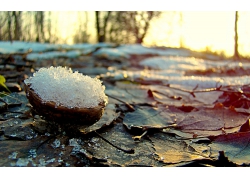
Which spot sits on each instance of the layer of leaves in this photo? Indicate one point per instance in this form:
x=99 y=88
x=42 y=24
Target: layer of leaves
x=146 y=123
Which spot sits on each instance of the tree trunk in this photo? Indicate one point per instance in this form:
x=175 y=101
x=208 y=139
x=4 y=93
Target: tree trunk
x=17 y=31
x=39 y=20
x=97 y=25
x=236 y=52
x=9 y=26
x=101 y=30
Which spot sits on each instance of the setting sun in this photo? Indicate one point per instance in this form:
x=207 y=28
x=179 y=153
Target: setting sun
x=212 y=31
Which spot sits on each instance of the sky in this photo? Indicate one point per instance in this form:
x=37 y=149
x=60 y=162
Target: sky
x=199 y=30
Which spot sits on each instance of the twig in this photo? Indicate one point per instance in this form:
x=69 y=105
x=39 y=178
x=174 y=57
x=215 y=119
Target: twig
x=138 y=138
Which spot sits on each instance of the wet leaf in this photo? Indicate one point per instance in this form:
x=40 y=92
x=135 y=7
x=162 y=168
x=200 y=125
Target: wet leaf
x=21 y=130
x=17 y=106
x=171 y=150
x=177 y=97
x=211 y=119
x=148 y=117
x=110 y=156
x=15 y=99
x=12 y=150
x=236 y=147
x=129 y=93
x=107 y=118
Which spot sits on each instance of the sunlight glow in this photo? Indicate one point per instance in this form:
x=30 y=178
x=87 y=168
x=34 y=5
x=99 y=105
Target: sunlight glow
x=198 y=30
x=212 y=31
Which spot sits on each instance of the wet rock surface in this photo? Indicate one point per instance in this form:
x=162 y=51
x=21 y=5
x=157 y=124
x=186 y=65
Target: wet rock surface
x=146 y=122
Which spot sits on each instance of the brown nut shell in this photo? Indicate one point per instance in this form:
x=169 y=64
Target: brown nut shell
x=62 y=114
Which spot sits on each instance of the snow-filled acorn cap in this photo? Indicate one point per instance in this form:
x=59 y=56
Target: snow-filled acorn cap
x=60 y=95
x=65 y=88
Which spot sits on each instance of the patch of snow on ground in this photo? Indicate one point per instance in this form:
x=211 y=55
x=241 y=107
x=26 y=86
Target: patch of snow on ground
x=111 y=54
x=175 y=79
x=53 y=54
x=139 y=49
x=6 y=47
x=169 y=67
x=176 y=63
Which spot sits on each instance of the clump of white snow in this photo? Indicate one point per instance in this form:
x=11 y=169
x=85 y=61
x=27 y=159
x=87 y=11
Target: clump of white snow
x=67 y=88
x=172 y=62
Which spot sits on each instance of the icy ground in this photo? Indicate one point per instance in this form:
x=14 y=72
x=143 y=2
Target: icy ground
x=166 y=65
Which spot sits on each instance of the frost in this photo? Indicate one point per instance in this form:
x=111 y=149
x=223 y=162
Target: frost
x=59 y=160
x=22 y=162
x=50 y=160
x=13 y=155
x=43 y=162
x=74 y=142
x=32 y=153
x=68 y=89
x=94 y=140
x=56 y=144
x=47 y=134
x=67 y=164
x=76 y=145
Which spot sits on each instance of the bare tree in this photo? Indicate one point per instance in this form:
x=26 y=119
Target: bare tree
x=139 y=23
x=81 y=35
x=3 y=21
x=236 y=52
x=101 y=24
x=37 y=26
x=9 y=26
x=130 y=26
x=17 y=25
x=39 y=23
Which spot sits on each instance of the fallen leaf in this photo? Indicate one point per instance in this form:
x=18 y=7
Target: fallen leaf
x=107 y=118
x=171 y=150
x=236 y=147
x=148 y=117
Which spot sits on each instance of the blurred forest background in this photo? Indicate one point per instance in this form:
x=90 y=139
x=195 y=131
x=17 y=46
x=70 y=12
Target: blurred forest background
x=116 y=27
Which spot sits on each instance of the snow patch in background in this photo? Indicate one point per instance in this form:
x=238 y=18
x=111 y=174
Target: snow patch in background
x=111 y=54
x=169 y=67
x=176 y=63
x=142 y=50
x=52 y=55
x=169 y=77
x=6 y=47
